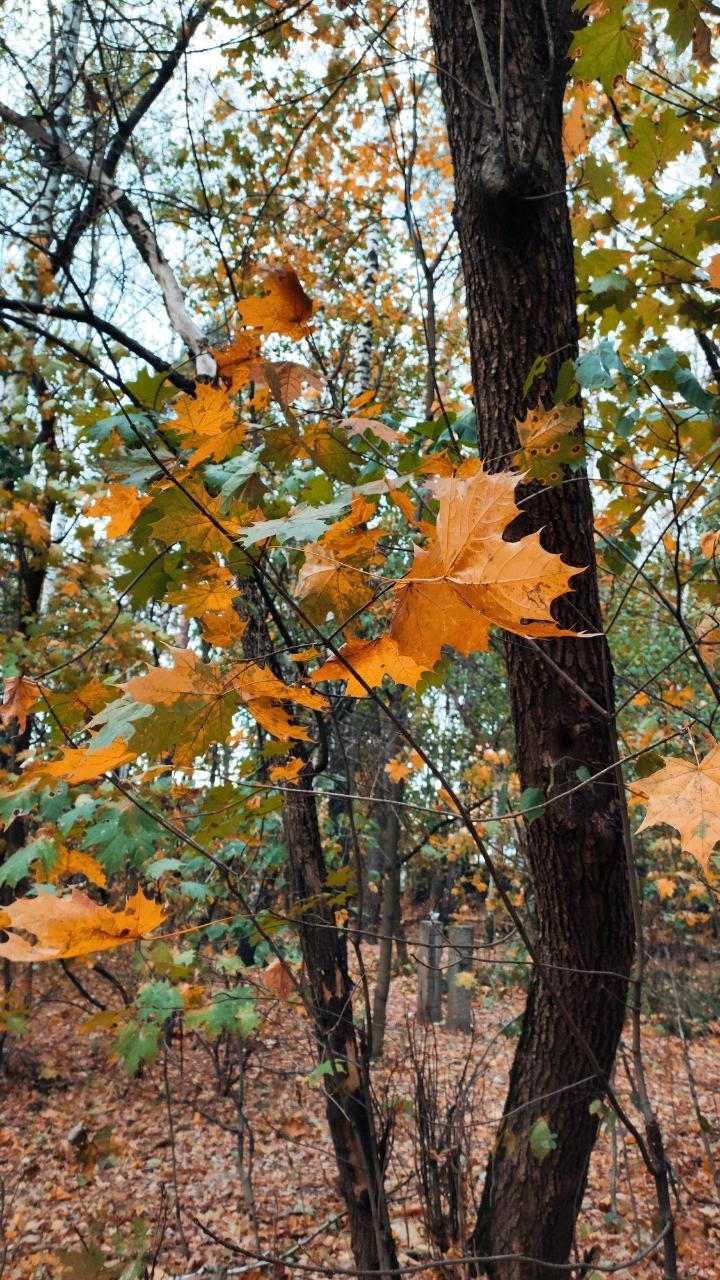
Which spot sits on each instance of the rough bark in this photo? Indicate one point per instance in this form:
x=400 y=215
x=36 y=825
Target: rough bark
x=502 y=69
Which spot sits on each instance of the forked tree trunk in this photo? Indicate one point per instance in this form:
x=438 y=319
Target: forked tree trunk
x=504 y=124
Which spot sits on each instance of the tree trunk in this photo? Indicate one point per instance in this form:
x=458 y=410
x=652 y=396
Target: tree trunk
x=329 y=999
x=505 y=125
x=389 y=916
x=348 y=1101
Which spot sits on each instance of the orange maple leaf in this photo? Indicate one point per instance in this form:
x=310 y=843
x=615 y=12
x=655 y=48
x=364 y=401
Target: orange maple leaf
x=372 y=660
x=82 y=764
x=123 y=505
x=465 y=580
x=235 y=361
x=686 y=795
x=73 y=862
x=19 y=695
x=74 y=926
x=334 y=576
x=283 y=308
x=397 y=770
x=287 y=772
x=207 y=423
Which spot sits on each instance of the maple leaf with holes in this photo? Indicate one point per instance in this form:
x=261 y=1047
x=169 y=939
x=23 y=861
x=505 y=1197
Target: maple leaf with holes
x=74 y=926
x=686 y=795
x=283 y=308
x=548 y=443
x=19 y=695
x=466 y=579
x=73 y=862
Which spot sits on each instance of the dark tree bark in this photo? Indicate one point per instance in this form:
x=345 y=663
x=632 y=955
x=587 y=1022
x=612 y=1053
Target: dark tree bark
x=389 y=914
x=328 y=994
x=348 y=1101
x=502 y=67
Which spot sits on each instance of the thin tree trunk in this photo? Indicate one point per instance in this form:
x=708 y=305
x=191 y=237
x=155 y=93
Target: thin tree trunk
x=502 y=68
x=348 y=1103
x=389 y=918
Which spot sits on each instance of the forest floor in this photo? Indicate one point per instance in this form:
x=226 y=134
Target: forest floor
x=90 y=1158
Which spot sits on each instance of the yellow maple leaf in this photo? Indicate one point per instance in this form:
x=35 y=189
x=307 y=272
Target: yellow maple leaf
x=287 y=772
x=335 y=575
x=207 y=423
x=665 y=886
x=75 y=926
x=575 y=125
x=123 y=505
x=81 y=764
x=283 y=308
x=235 y=361
x=223 y=629
x=196 y=525
x=686 y=795
x=213 y=592
x=25 y=520
x=206 y=688
x=19 y=695
x=263 y=694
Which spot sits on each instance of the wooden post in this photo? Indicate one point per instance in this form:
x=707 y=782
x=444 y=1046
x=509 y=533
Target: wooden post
x=429 y=972
x=460 y=960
